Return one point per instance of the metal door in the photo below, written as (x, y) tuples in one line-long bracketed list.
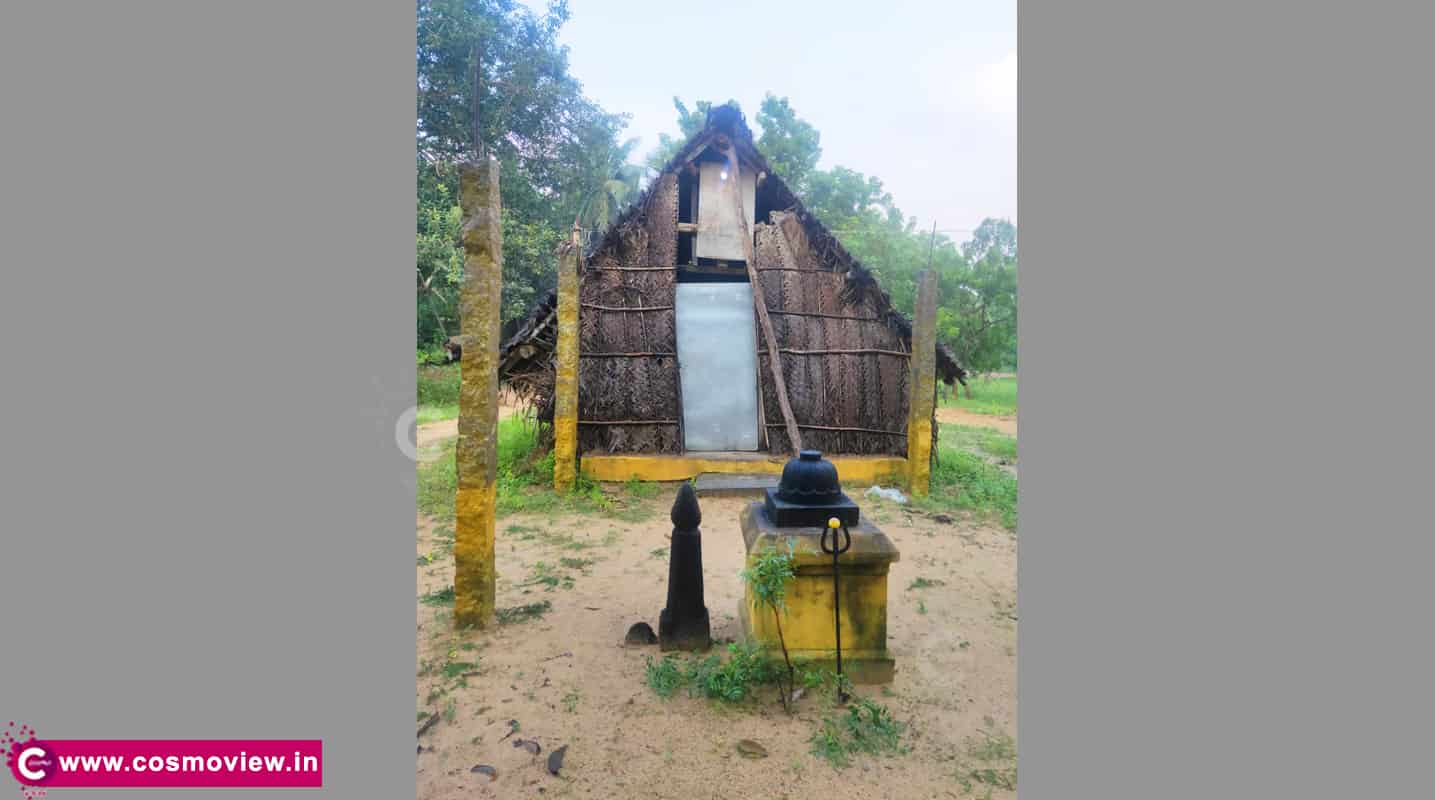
[(717, 358)]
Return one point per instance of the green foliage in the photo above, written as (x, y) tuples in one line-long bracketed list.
[(689, 123), (733, 680), (438, 385), (789, 143), (768, 573), (924, 583), (866, 727), (664, 677), (557, 147)]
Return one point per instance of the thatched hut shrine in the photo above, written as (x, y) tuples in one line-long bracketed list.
[(674, 367)]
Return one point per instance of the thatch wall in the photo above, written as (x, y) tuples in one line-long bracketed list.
[(845, 366), (627, 366)]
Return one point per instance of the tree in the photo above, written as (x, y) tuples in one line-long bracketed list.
[(689, 123), (789, 143), (556, 147), (613, 185)]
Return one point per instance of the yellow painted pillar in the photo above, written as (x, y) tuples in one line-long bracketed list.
[(565, 381), (922, 386), (477, 457)]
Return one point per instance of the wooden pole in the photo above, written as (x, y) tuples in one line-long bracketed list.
[(921, 394), (476, 452), (774, 359), (565, 382)]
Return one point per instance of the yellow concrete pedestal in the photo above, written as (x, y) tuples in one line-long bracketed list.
[(807, 625)]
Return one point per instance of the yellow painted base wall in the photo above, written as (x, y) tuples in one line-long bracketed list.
[(807, 626), (853, 470)]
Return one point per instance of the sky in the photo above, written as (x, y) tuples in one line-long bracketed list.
[(920, 94)]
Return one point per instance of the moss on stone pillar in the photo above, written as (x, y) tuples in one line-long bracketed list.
[(922, 387), (565, 386), (476, 452)]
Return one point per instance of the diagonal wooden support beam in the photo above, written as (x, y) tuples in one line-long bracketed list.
[(773, 358)]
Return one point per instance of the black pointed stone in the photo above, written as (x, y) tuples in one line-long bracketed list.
[(683, 625)]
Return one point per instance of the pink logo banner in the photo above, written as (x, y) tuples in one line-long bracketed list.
[(167, 763)]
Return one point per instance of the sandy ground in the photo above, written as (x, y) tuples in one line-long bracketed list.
[(568, 679), (960, 416)]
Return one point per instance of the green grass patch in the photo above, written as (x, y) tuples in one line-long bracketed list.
[(664, 677), (995, 396), (440, 597), (731, 680), (524, 482), (965, 481), (924, 583), (989, 761), (429, 414), (866, 727), (438, 385), (984, 440), (516, 614), (437, 392)]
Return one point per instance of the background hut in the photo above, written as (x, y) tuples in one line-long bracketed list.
[(670, 363)]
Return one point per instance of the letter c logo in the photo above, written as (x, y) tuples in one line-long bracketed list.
[(22, 763)]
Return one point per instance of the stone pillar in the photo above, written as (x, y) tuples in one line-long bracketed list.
[(922, 386), (565, 382), (477, 458), (683, 625)]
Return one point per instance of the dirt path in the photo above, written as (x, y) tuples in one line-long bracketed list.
[(960, 416), (567, 679), (431, 435)]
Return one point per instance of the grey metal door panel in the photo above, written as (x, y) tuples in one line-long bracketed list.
[(717, 357)]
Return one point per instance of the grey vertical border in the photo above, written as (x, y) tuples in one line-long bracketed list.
[(207, 320), (1225, 290)]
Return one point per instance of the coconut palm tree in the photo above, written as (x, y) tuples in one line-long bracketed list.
[(616, 183)]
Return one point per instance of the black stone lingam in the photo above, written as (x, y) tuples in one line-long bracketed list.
[(683, 625), (809, 494)]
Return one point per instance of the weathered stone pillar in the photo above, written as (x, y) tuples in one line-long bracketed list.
[(477, 459), (565, 382), (922, 386)]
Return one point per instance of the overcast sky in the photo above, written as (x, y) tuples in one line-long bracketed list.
[(920, 94)]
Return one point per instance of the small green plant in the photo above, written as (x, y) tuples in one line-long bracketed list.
[(570, 701), (767, 575), (735, 679), (438, 597), (545, 575), (924, 583), (640, 489), (665, 676), (990, 761), (576, 563), (658, 552), (517, 614), (922, 607), (866, 727)]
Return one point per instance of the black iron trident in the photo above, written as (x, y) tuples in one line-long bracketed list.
[(833, 525)]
